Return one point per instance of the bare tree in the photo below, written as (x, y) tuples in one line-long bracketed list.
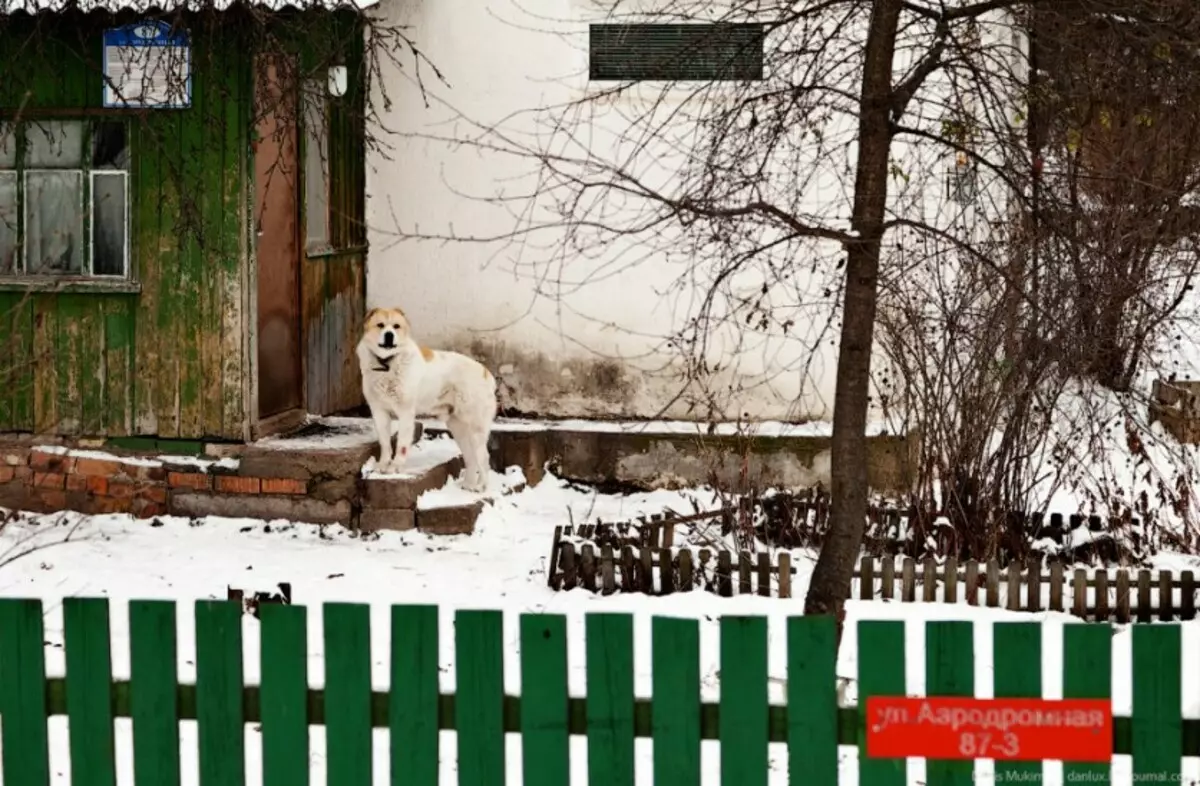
[(884, 153)]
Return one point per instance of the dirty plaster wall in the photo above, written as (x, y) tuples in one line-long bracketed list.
[(561, 348)]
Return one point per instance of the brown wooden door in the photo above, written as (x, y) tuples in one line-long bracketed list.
[(280, 372)]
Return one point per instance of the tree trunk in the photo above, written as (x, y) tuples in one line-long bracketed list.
[(834, 571)]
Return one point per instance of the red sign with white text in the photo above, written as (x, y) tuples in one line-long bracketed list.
[(947, 727)]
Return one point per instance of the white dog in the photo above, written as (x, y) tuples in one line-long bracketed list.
[(402, 379)]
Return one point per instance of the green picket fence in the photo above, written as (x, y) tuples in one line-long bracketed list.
[(811, 724)]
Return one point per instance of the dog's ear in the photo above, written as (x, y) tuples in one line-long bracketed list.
[(370, 317)]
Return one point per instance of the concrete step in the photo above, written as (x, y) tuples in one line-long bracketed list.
[(390, 501)]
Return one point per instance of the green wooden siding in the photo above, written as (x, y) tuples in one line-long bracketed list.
[(170, 360)]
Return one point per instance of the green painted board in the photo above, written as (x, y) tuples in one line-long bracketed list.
[(1087, 674), (153, 697), (610, 740), (949, 671), (1156, 719), (675, 719), (743, 716), (812, 708), (413, 705), (220, 718), (1017, 659), (545, 751), (880, 673), (283, 697), (23, 734), (348, 693), (89, 691), (479, 709)]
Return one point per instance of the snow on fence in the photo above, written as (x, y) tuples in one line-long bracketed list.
[(414, 709), (604, 560)]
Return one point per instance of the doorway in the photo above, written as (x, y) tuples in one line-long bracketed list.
[(277, 243)]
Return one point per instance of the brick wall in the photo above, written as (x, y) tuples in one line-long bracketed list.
[(48, 479)]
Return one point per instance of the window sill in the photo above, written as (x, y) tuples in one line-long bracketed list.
[(69, 284)]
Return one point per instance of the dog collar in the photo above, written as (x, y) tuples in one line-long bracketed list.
[(383, 363)]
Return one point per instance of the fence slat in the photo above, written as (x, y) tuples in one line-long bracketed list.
[(348, 746), (283, 694), (153, 696), (949, 671), (1157, 742), (993, 584), (1123, 596), (609, 641), (929, 580), (866, 577), (1056, 587), (743, 715), (1017, 655), (413, 703), (1102, 608), (971, 579), (1012, 575), (675, 722), (89, 691), (479, 709), (880, 673), (812, 700), (785, 575), (1144, 612), (544, 740), (1079, 602), (1166, 605), (219, 712), (908, 581), (26, 756), (1034, 587), (950, 573), (1087, 674)]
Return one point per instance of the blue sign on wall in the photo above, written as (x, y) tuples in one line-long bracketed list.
[(147, 64)]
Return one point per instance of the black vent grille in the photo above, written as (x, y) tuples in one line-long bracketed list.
[(676, 52)]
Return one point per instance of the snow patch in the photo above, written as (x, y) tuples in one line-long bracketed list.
[(422, 457), (454, 495), (203, 464), (99, 455)]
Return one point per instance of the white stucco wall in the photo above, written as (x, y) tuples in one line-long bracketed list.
[(573, 331)]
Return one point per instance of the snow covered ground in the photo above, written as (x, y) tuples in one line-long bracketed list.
[(501, 567)]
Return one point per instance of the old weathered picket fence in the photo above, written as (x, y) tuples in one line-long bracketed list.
[(1120, 594), (414, 710)]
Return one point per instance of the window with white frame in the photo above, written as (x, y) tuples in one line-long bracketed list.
[(64, 198)]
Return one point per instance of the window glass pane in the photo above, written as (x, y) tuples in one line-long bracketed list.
[(54, 143), (8, 222), (316, 168), (8, 146), (110, 146), (53, 222), (109, 216)]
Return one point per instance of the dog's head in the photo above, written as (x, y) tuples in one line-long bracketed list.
[(385, 330)]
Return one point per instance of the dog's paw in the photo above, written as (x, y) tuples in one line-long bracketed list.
[(388, 468), (475, 485)]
